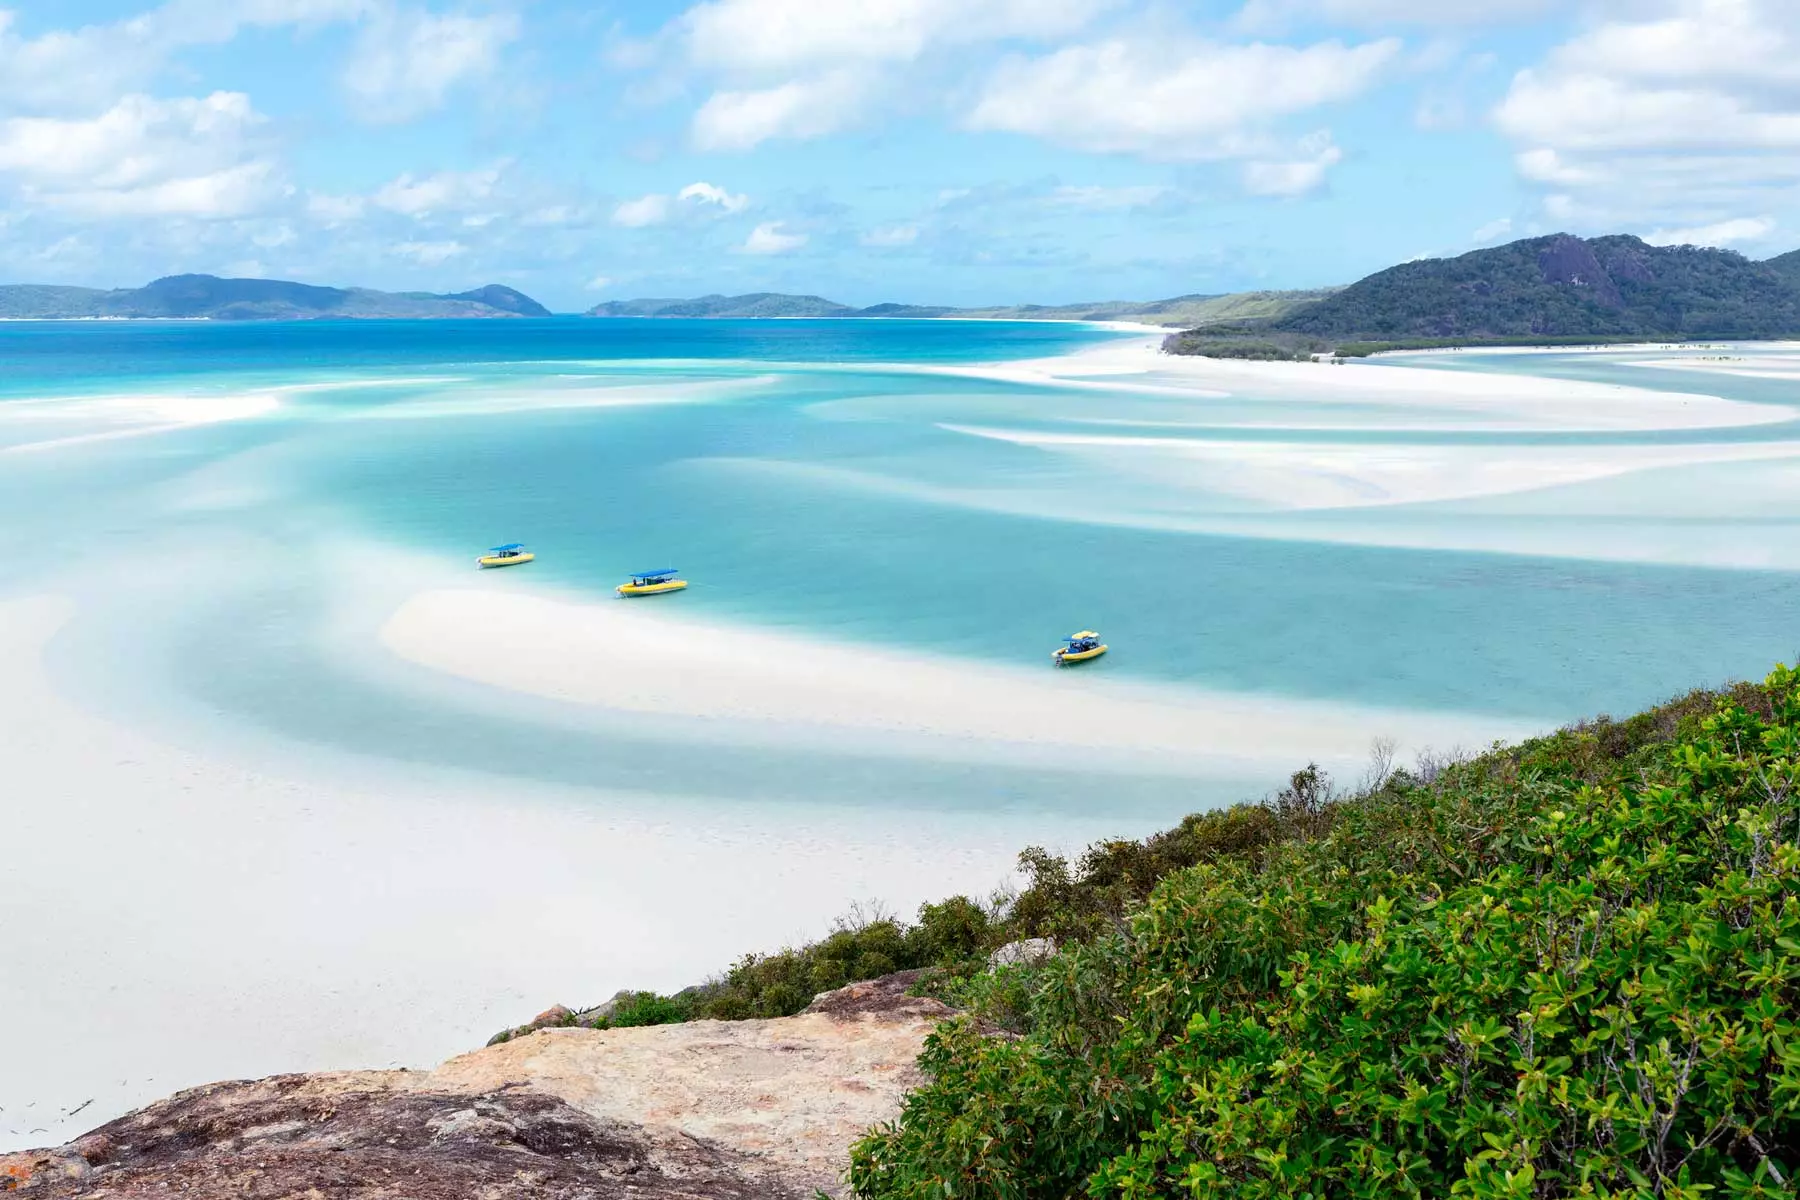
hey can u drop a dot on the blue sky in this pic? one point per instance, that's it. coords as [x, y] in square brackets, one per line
[958, 151]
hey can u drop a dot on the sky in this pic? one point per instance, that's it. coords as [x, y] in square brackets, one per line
[925, 151]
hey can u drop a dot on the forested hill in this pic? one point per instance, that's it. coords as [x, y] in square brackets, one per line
[1564, 287]
[191, 296]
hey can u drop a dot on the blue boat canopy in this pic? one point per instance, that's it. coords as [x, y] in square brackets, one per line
[665, 573]
[508, 546]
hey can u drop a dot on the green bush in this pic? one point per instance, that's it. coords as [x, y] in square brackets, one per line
[1570, 968]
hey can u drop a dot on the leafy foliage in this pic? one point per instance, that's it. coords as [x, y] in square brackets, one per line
[1538, 291]
[1567, 968]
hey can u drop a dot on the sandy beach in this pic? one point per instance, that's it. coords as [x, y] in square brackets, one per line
[622, 656]
[179, 917]
[192, 909]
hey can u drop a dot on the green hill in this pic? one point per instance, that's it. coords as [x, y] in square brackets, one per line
[1563, 286]
[1181, 310]
[208, 296]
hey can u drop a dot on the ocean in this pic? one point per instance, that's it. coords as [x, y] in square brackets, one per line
[233, 515]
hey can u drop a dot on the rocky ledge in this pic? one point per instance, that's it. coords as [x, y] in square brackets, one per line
[706, 1109]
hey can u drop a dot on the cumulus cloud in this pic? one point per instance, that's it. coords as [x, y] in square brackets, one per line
[1164, 100]
[694, 199]
[800, 108]
[1296, 175]
[194, 157]
[1265, 15]
[598, 283]
[795, 35]
[420, 197]
[645, 210]
[85, 69]
[771, 237]
[1682, 116]
[706, 193]
[1722, 233]
[800, 69]
[406, 61]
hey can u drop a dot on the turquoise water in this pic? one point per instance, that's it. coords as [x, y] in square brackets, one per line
[818, 478]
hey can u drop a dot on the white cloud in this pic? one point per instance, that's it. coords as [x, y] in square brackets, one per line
[801, 108]
[795, 35]
[86, 69]
[1267, 15]
[1109, 199]
[893, 235]
[1168, 100]
[406, 62]
[770, 238]
[645, 210]
[705, 193]
[143, 156]
[802, 69]
[1493, 231]
[430, 254]
[1723, 233]
[1294, 176]
[431, 195]
[1677, 117]
[598, 283]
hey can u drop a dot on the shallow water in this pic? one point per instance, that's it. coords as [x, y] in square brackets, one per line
[807, 479]
[235, 511]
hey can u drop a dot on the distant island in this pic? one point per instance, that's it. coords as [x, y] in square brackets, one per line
[1181, 311]
[213, 298]
[1558, 289]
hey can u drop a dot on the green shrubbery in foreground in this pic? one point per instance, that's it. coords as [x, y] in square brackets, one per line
[1568, 968]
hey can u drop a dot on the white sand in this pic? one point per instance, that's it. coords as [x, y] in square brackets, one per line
[628, 656]
[1335, 475]
[78, 420]
[1415, 398]
[168, 919]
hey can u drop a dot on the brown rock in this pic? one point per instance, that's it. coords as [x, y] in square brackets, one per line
[707, 1109]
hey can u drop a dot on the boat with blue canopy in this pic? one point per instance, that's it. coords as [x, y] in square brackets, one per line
[1078, 647]
[653, 583]
[509, 555]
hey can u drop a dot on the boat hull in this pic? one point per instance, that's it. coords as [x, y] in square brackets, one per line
[511, 560]
[1066, 656]
[651, 589]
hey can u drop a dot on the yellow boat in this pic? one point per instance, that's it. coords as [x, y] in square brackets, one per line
[1081, 647]
[509, 555]
[652, 583]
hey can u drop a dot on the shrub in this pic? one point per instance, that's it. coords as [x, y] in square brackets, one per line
[1569, 968]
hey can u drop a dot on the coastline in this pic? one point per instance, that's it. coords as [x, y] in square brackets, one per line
[241, 917]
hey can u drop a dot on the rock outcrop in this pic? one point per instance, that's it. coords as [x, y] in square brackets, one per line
[706, 1109]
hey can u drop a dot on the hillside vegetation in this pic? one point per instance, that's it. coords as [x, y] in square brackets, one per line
[1565, 968]
[1570, 968]
[208, 296]
[1547, 290]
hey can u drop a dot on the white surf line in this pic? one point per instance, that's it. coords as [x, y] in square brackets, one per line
[610, 655]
